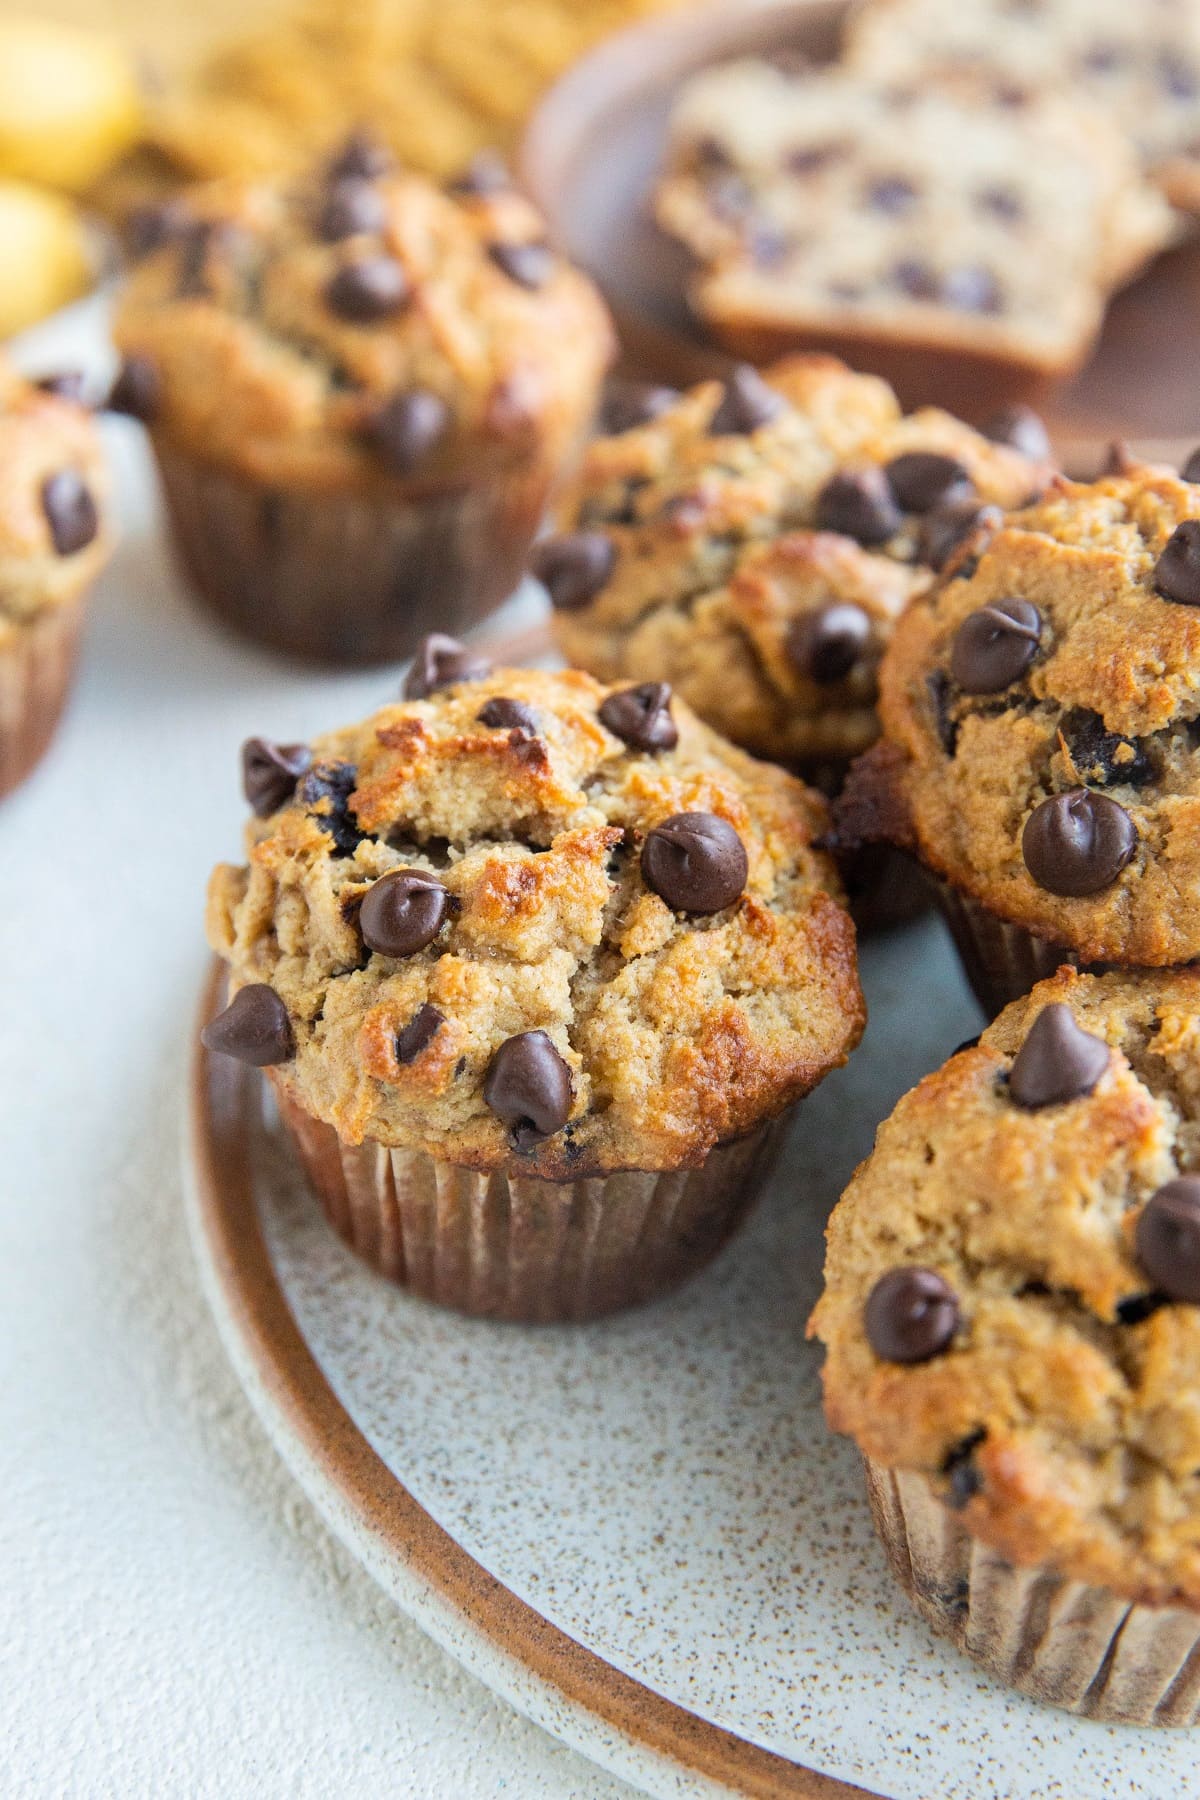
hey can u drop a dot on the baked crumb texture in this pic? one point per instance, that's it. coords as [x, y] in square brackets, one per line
[1139, 66]
[678, 1031]
[721, 555]
[899, 207]
[361, 328]
[1019, 757]
[1062, 1418]
[55, 533]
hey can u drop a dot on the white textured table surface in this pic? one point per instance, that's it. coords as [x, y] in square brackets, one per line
[173, 1618]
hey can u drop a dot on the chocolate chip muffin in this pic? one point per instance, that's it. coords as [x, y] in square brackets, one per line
[536, 967]
[1012, 1320]
[360, 390]
[1139, 66]
[1041, 753]
[754, 543]
[55, 536]
[928, 230]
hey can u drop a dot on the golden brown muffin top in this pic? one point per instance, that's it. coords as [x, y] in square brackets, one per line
[1039, 709]
[1012, 1285]
[762, 538]
[591, 866]
[361, 327]
[55, 527]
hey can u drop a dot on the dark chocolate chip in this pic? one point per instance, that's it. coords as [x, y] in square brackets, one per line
[696, 862]
[1177, 571]
[921, 479]
[528, 1087]
[950, 524]
[891, 194]
[485, 175]
[325, 791]
[573, 567]
[407, 429]
[628, 404]
[66, 384]
[502, 714]
[254, 1028]
[826, 644]
[747, 403]
[70, 511]
[971, 289]
[859, 504]
[911, 1314]
[149, 227]
[1104, 758]
[1058, 1061]
[362, 155]
[1191, 468]
[967, 1044]
[1001, 203]
[807, 159]
[402, 912]
[1021, 429]
[1167, 1239]
[351, 208]
[529, 265]
[994, 646]
[419, 1033]
[270, 772]
[196, 240]
[370, 288]
[441, 662]
[137, 390]
[1077, 843]
[641, 716]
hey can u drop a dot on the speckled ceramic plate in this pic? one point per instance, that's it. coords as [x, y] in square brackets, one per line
[640, 1531]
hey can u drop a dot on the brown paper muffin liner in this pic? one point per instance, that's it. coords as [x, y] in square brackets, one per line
[349, 578]
[506, 1246]
[1000, 960]
[36, 670]
[1066, 1642]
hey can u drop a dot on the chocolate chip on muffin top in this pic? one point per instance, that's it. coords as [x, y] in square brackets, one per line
[519, 914]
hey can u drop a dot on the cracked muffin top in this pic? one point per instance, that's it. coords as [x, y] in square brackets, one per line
[1012, 1284]
[872, 209]
[361, 327]
[1040, 715]
[522, 920]
[55, 527]
[753, 543]
[1138, 65]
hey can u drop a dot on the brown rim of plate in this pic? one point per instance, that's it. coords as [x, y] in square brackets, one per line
[223, 1101]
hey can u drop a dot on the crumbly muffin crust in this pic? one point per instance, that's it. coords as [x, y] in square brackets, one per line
[679, 1031]
[1063, 1417]
[1104, 706]
[361, 329]
[864, 206]
[55, 529]
[1139, 65]
[717, 559]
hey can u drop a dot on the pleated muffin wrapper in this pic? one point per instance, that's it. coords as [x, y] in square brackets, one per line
[501, 1245]
[1065, 1642]
[36, 671]
[1002, 961]
[349, 578]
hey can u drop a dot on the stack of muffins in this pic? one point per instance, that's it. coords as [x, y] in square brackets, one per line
[537, 964]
